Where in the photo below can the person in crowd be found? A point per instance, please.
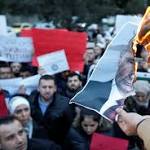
(25, 71)
(74, 84)
(15, 67)
(142, 59)
(101, 40)
(51, 110)
(91, 69)
(74, 141)
(89, 58)
(89, 123)
(19, 106)
(134, 124)
(98, 49)
(140, 102)
(61, 79)
(13, 137)
(5, 71)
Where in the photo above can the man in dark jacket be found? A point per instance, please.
(13, 137)
(51, 110)
(74, 84)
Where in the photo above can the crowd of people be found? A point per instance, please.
(44, 119)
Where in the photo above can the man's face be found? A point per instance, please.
(16, 67)
(13, 137)
(125, 75)
(90, 55)
(141, 99)
(47, 88)
(98, 51)
(74, 83)
(5, 73)
(22, 112)
(25, 74)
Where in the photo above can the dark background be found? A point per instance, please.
(62, 10)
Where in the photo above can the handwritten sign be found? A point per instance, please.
(3, 25)
(16, 49)
(10, 85)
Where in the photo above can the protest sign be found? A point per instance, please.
(10, 85)
(112, 79)
(74, 43)
(16, 49)
(30, 83)
(26, 33)
(54, 62)
(103, 142)
(13, 85)
(3, 25)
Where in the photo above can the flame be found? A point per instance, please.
(143, 33)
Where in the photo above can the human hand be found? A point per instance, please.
(128, 121)
(22, 89)
(41, 71)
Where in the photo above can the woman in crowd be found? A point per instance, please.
(89, 123)
(19, 106)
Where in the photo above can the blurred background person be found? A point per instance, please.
(140, 102)
(5, 71)
(15, 67)
(74, 84)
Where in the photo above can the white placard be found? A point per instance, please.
(30, 83)
(54, 62)
(13, 85)
(10, 85)
(16, 49)
(3, 25)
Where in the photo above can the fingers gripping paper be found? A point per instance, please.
(112, 79)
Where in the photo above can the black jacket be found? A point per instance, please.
(74, 141)
(39, 131)
(39, 144)
(70, 93)
(57, 118)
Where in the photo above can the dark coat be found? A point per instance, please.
(39, 131)
(70, 93)
(57, 118)
(39, 144)
(74, 141)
